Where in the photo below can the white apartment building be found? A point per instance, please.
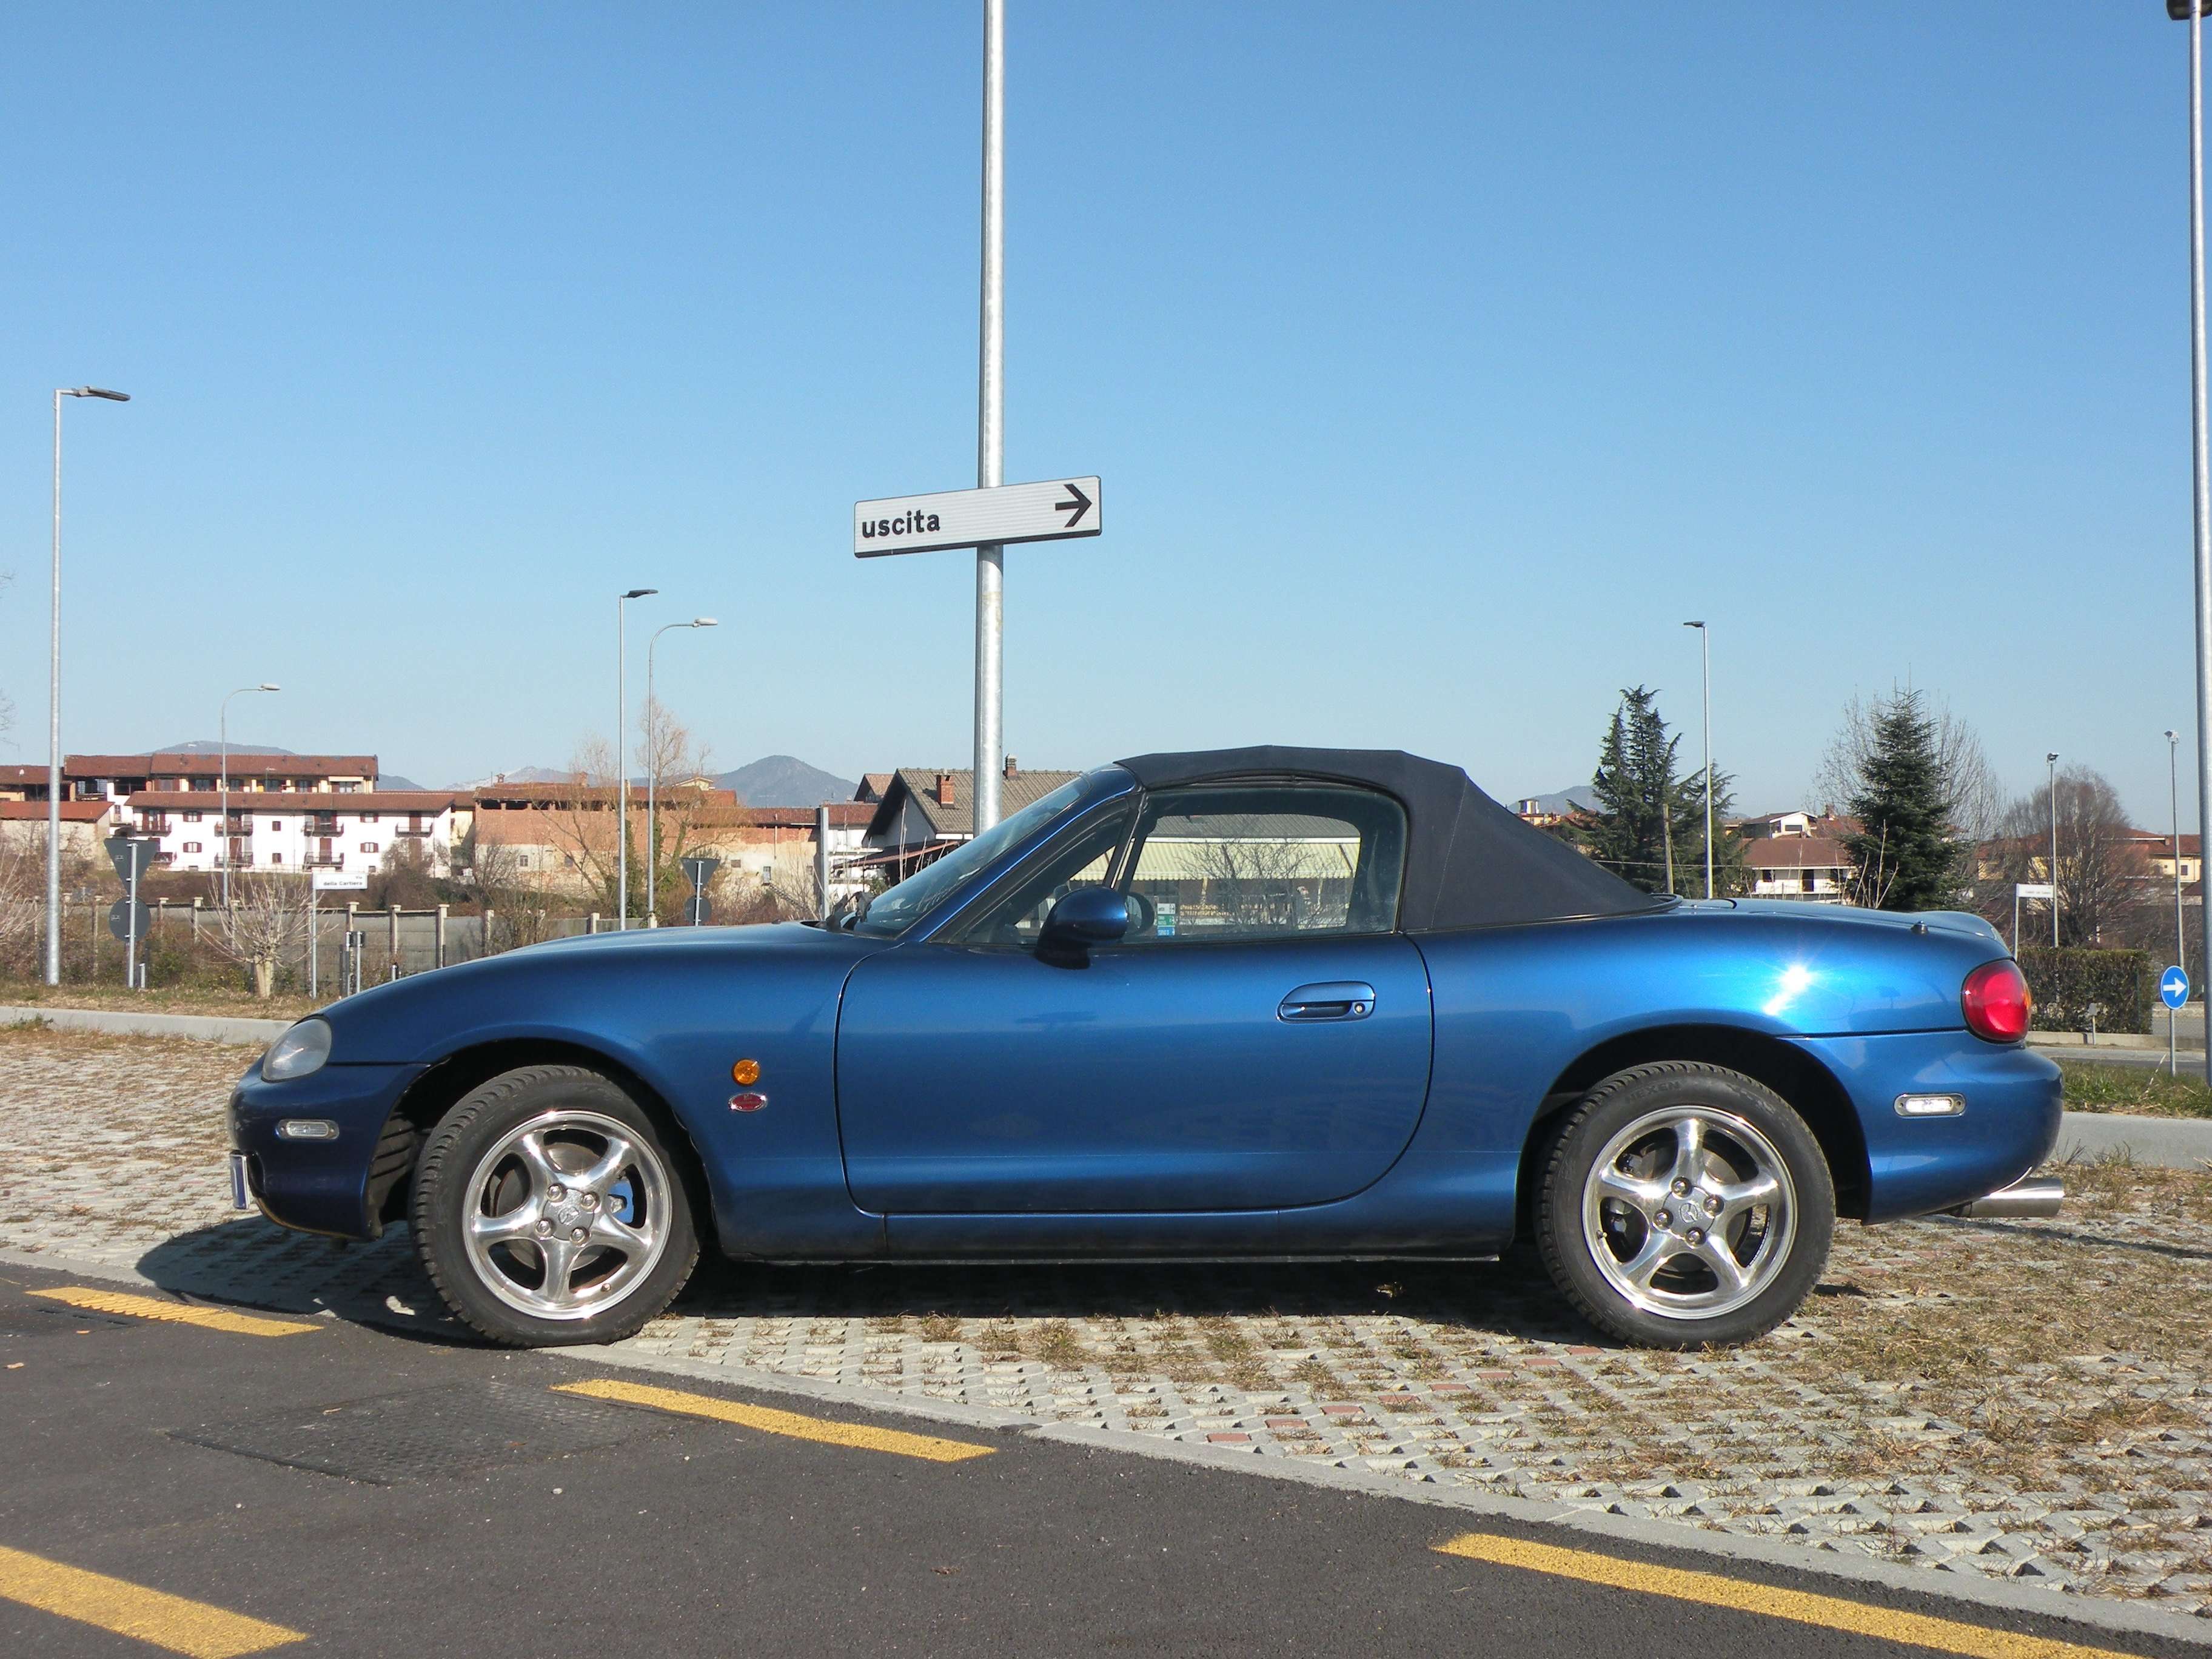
(304, 829)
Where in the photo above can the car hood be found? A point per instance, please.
(616, 983)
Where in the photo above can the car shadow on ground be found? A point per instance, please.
(253, 1263)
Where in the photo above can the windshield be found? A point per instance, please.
(899, 909)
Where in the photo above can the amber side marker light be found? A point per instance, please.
(746, 1073)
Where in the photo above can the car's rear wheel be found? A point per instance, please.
(1683, 1204)
(547, 1210)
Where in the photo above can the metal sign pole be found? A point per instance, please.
(131, 936)
(2203, 483)
(991, 437)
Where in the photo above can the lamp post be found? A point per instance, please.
(2052, 761)
(54, 696)
(2201, 467)
(653, 765)
(222, 722)
(622, 780)
(1705, 655)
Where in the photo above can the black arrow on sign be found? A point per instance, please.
(1076, 508)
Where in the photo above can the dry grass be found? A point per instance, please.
(35, 993)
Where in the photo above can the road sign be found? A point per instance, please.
(1048, 512)
(132, 856)
(339, 881)
(2173, 988)
(2041, 890)
(700, 871)
(119, 919)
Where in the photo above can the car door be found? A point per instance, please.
(1261, 1039)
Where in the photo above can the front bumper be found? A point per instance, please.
(315, 1185)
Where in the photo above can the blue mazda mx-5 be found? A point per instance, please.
(1259, 1003)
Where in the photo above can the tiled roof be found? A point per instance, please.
(189, 762)
(73, 812)
(959, 819)
(1795, 853)
(299, 802)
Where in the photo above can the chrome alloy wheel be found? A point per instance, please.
(567, 1215)
(1689, 1211)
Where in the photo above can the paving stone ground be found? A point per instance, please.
(2024, 1399)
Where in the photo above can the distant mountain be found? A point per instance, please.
(783, 781)
(393, 780)
(213, 746)
(1578, 799)
(521, 775)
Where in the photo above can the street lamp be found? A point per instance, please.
(2052, 761)
(222, 723)
(54, 696)
(653, 765)
(1705, 653)
(622, 781)
(2201, 466)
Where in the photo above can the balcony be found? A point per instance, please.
(315, 861)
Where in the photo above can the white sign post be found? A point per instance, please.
(1048, 512)
(2028, 890)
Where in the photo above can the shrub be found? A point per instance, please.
(2122, 983)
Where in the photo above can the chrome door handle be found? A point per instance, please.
(1342, 998)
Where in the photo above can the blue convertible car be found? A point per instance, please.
(1269, 1002)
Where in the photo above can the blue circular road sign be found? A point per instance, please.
(2173, 988)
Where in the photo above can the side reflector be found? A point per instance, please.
(1930, 1105)
(307, 1129)
(748, 1101)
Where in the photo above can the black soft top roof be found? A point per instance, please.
(1469, 863)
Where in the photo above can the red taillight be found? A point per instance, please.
(1997, 1001)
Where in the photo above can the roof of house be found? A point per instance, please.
(2154, 844)
(843, 815)
(298, 803)
(73, 812)
(538, 797)
(1795, 853)
(189, 762)
(873, 787)
(958, 819)
(14, 774)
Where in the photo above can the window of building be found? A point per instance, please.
(368, 846)
(191, 817)
(192, 846)
(372, 817)
(276, 858)
(275, 823)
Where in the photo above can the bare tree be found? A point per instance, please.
(683, 799)
(517, 898)
(22, 866)
(265, 926)
(2101, 872)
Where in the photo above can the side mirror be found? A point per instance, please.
(1082, 917)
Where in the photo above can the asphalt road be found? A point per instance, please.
(489, 1508)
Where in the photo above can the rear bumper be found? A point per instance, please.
(1921, 1165)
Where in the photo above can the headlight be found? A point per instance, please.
(298, 1053)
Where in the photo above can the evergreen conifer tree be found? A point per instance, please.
(1907, 855)
(1644, 813)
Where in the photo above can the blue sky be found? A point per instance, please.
(1438, 360)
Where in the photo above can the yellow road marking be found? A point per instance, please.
(1830, 1612)
(127, 1609)
(177, 1313)
(896, 1441)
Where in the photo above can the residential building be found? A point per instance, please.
(119, 777)
(1796, 865)
(299, 830)
(85, 824)
(927, 811)
(2158, 851)
(22, 783)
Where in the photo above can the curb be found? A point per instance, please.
(2172, 1143)
(2107, 1614)
(204, 1028)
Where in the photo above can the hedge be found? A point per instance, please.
(2123, 984)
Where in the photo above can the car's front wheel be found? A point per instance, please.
(547, 1210)
(1683, 1204)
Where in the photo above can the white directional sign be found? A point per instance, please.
(2040, 890)
(339, 881)
(1047, 511)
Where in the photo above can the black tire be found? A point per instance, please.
(564, 1113)
(1779, 1245)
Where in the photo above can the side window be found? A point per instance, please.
(1083, 858)
(1265, 862)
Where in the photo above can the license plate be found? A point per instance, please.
(240, 1199)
